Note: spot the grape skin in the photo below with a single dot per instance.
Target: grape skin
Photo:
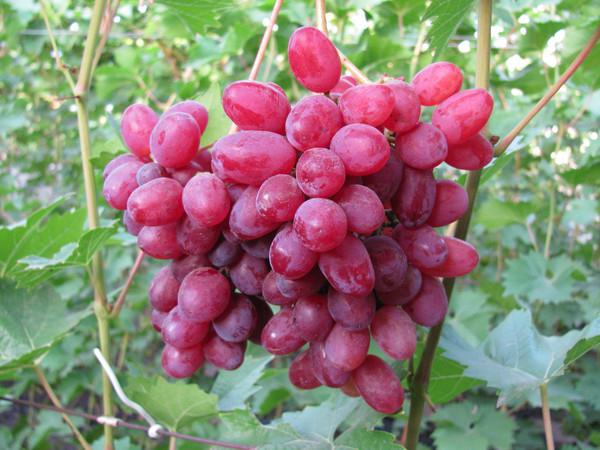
(237, 323)
(288, 257)
(451, 202)
(160, 242)
(248, 274)
(424, 248)
(436, 82)
(182, 266)
(320, 173)
(415, 199)
(351, 312)
(312, 122)
(347, 349)
(364, 211)
(379, 386)
(198, 112)
(224, 254)
(389, 263)
(224, 355)
(174, 140)
(278, 336)
(157, 202)
(385, 182)
(163, 290)
(206, 200)
(406, 292)
(118, 161)
(204, 295)
(430, 305)
(301, 372)
(407, 109)
(278, 198)
(137, 123)
(422, 148)
(120, 183)
(473, 154)
(245, 222)
(394, 332)
(149, 172)
(324, 370)
(181, 363)
(462, 260)
(370, 104)
(362, 148)
(272, 294)
(320, 224)
(196, 239)
(181, 333)
(311, 318)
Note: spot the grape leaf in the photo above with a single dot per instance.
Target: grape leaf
(218, 122)
(31, 322)
(198, 15)
(588, 174)
(104, 151)
(171, 404)
(359, 438)
(515, 358)
(446, 16)
(495, 214)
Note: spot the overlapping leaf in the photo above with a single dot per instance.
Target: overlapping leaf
(446, 16)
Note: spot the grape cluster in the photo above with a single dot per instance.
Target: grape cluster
(325, 209)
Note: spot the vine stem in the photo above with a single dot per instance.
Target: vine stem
(546, 417)
(421, 378)
(56, 402)
(507, 140)
(118, 305)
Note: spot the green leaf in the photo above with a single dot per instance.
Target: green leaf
(218, 122)
(588, 174)
(481, 425)
(470, 315)
(171, 404)
(494, 214)
(446, 16)
(515, 358)
(104, 151)
(359, 438)
(234, 387)
(31, 322)
(537, 278)
(198, 15)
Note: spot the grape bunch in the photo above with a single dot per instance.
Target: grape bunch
(324, 210)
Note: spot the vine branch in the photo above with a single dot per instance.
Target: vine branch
(118, 305)
(546, 417)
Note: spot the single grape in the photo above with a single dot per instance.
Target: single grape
(259, 248)
(206, 200)
(235, 191)
(364, 211)
(345, 83)
(224, 355)
(237, 323)
(394, 332)
(181, 363)
(194, 109)
(253, 105)
(423, 247)
(379, 385)
(137, 123)
(131, 225)
(389, 263)
(181, 333)
(314, 59)
(196, 239)
(157, 318)
(279, 336)
(320, 172)
(244, 220)
(415, 198)
(463, 115)
(204, 295)
(312, 122)
(462, 259)
(407, 110)
(300, 287)
(311, 318)
(118, 161)
(183, 175)
(436, 82)
(323, 369)
(272, 294)
(301, 373)
(158, 202)
(429, 307)
(473, 154)
(120, 183)
(174, 140)
(350, 389)
(406, 292)
(289, 257)
(278, 198)
(184, 265)
(248, 274)
(349, 311)
(163, 290)
(347, 349)
(263, 315)
(250, 157)
(320, 224)
(224, 254)
(386, 181)
(277, 88)
(160, 242)
(423, 147)
(348, 268)
(451, 202)
(150, 171)
(362, 148)
(370, 104)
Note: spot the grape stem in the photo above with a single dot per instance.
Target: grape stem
(546, 417)
(118, 305)
(507, 140)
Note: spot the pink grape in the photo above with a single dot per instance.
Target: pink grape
(362, 148)
(131, 225)
(349, 311)
(415, 198)
(289, 257)
(248, 274)
(278, 198)
(181, 333)
(160, 241)
(204, 295)
(174, 140)
(263, 315)
(323, 369)
(301, 373)
(196, 239)
(245, 222)
(250, 157)
(194, 109)
(429, 307)
(345, 83)
(279, 336)
(423, 247)
(202, 161)
(118, 161)
(163, 290)
(238, 321)
(149, 172)
(157, 318)
(406, 292)
(272, 294)
(436, 82)
(259, 248)
(311, 318)
(320, 224)
(389, 262)
(422, 148)
(184, 265)
(407, 110)
(312, 122)
(206, 200)
(462, 259)
(348, 268)
(394, 332)
(300, 287)
(158, 202)
(314, 60)
(224, 254)
(370, 104)
(276, 87)
(473, 154)
(183, 175)
(181, 363)
(224, 355)
(253, 105)
(137, 123)
(320, 172)
(235, 191)
(378, 385)
(463, 115)
(451, 202)
(347, 349)
(120, 183)
(386, 181)
(364, 211)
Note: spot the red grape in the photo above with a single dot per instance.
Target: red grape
(429, 307)
(279, 336)
(181, 363)
(248, 274)
(183, 175)
(206, 199)
(406, 292)
(473, 154)
(120, 183)
(389, 263)
(137, 123)
(289, 257)
(301, 373)
(272, 294)
(423, 247)
(323, 369)
(462, 259)
(347, 349)
(351, 312)
(415, 198)
(320, 224)
(422, 148)
(385, 182)
(345, 83)
(394, 332)
(149, 172)
(436, 82)
(451, 202)
(204, 295)
(407, 110)
(131, 225)
(224, 355)
(118, 161)
(364, 211)
(235, 191)
(259, 248)
(174, 140)
(362, 148)
(196, 239)
(263, 315)
(276, 87)
(158, 202)
(184, 265)
(163, 290)
(278, 198)
(237, 323)
(320, 172)
(245, 222)
(181, 333)
(157, 318)
(370, 104)
(312, 122)
(311, 318)
(160, 242)
(300, 287)
(194, 109)
(224, 254)
(350, 388)
(202, 161)
(379, 386)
